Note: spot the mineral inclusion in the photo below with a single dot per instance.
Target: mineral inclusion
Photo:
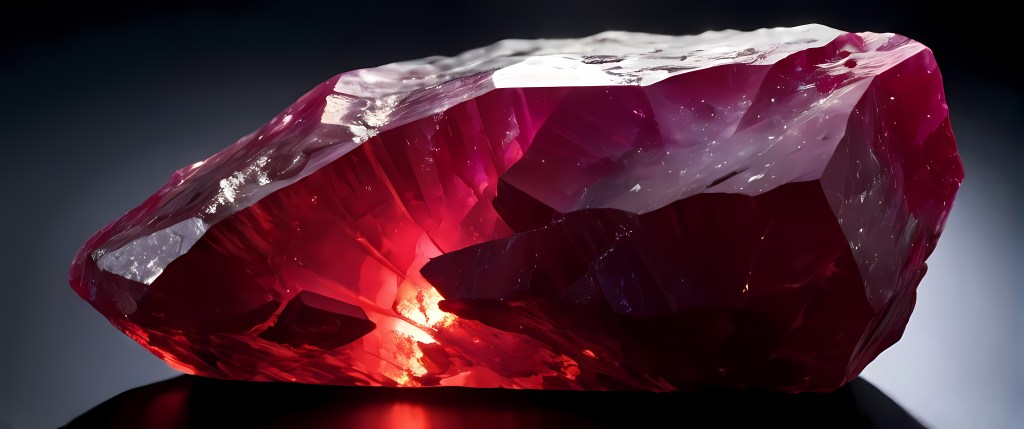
(622, 211)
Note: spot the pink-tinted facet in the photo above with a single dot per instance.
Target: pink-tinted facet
(697, 213)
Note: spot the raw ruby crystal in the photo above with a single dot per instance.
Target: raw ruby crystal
(620, 211)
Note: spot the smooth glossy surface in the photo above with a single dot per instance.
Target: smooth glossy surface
(196, 402)
(754, 214)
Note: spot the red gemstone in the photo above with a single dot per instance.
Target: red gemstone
(621, 211)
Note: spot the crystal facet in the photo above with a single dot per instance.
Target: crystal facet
(622, 211)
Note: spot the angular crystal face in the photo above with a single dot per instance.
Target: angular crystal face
(623, 211)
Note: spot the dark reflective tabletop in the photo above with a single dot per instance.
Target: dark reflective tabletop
(191, 402)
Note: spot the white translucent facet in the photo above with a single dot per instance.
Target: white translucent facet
(143, 259)
(611, 58)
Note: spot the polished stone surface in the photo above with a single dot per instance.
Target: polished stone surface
(197, 402)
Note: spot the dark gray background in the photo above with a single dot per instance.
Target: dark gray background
(101, 102)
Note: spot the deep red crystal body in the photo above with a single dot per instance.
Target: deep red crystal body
(750, 224)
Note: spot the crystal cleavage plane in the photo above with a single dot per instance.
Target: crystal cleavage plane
(622, 211)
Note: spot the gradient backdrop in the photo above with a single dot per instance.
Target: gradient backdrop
(99, 103)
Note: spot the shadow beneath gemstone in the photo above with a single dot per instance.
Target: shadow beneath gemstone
(197, 402)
